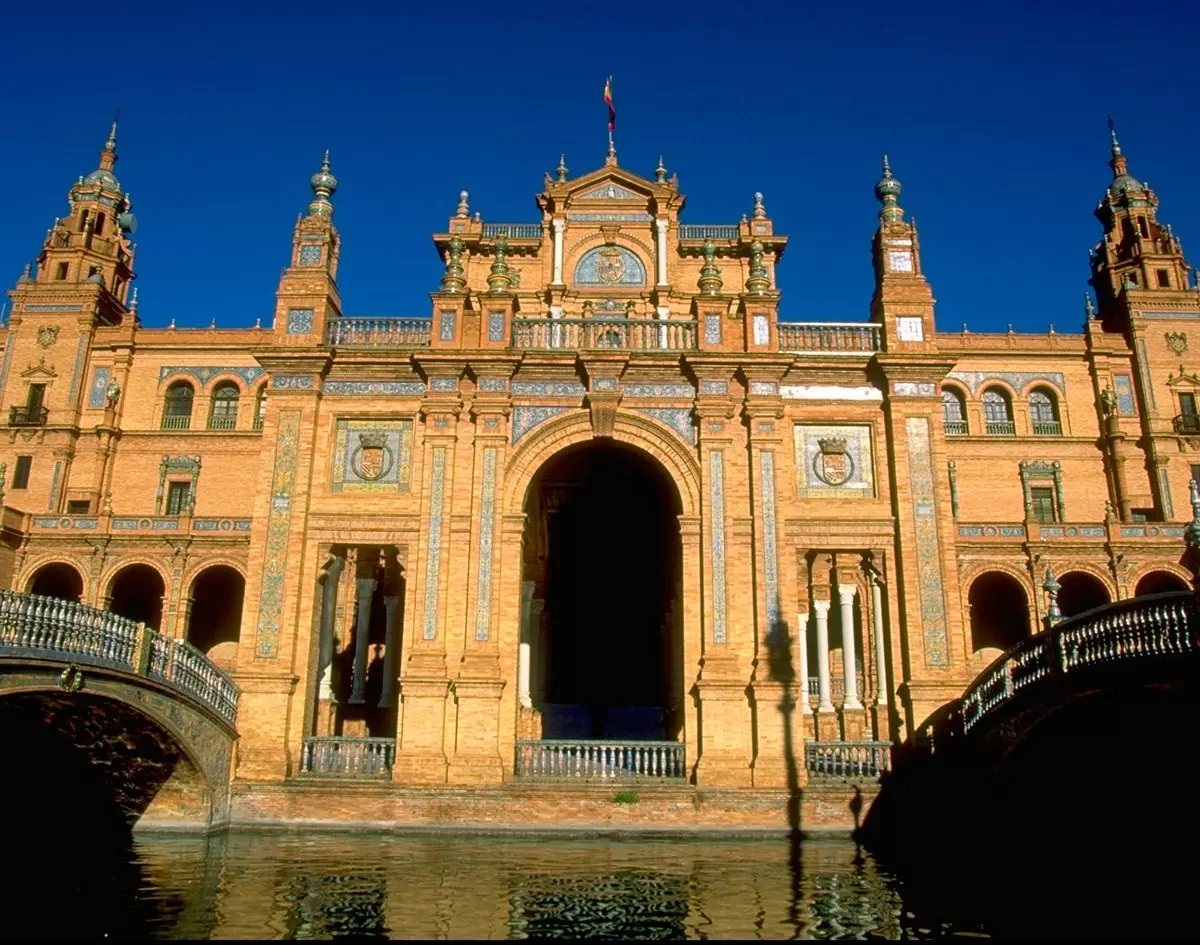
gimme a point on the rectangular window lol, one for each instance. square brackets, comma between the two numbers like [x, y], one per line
[37, 396]
[78, 507]
[21, 473]
[61, 271]
[1164, 278]
[1041, 499]
[1187, 405]
[1196, 474]
[178, 494]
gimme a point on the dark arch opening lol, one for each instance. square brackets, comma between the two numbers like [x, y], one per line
[999, 611]
[57, 580]
[1079, 591]
[1159, 582]
[216, 614]
[603, 552]
[137, 593]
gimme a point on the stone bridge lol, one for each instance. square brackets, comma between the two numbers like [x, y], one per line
[107, 723]
[1065, 766]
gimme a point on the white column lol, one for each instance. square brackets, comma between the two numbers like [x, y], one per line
[558, 250]
[846, 594]
[523, 647]
[881, 696]
[664, 312]
[821, 608]
[802, 642]
[662, 250]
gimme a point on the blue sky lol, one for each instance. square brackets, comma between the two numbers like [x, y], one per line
[994, 120]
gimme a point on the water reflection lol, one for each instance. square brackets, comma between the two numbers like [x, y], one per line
[300, 886]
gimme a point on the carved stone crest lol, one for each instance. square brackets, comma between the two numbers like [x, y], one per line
[1177, 341]
[833, 464]
[47, 335]
[372, 459]
[610, 269]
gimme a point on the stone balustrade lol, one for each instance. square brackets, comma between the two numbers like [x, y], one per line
[847, 759]
[513, 231]
[841, 338]
[708, 231]
[40, 627]
[352, 332]
[556, 759]
[638, 334]
[345, 757]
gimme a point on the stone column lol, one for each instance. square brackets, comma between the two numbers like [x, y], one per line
[881, 694]
[329, 586]
[523, 662]
[661, 226]
[366, 593]
[821, 609]
[802, 643]
[558, 225]
[391, 655]
[846, 594]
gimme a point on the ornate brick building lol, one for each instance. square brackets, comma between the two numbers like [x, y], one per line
[601, 492]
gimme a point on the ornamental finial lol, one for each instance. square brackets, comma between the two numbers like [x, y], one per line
[1112, 133]
[562, 168]
[759, 281]
[133, 301]
[324, 185]
[1088, 308]
[453, 280]
[887, 192]
[760, 211]
[710, 277]
[1052, 587]
[463, 210]
[499, 276]
[660, 172]
[25, 277]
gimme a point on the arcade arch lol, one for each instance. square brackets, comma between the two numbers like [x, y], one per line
[1159, 582]
[999, 611]
[137, 592]
[215, 617]
[1080, 591]
[57, 579]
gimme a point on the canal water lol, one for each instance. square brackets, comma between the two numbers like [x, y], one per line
[276, 885]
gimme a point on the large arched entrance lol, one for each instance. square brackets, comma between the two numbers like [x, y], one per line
[999, 611]
[137, 593]
[57, 580]
[1159, 582]
[1080, 591]
[215, 620]
[602, 568]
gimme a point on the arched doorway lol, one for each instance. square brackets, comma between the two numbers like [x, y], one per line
[1080, 591]
[1159, 582]
[602, 555]
[57, 580]
[215, 620]
[137, 593]
[999, 611]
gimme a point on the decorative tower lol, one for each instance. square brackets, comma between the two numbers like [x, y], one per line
[903, 301]
[307, 298]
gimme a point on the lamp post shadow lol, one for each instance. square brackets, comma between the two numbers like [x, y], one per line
[781, 669]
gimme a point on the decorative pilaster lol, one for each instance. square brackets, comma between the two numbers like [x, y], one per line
[824, 696]
[559, 225]
[661, 230]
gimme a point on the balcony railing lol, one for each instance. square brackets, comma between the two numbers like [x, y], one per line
[837, 686]
[335, 756]
[222, 423]
[708, 231]
[514, 231]
[1184, 423]
[955, 427]
[1047, 428]
[848, 759]
[561, 759]
[27, 416]
[638, 334]
[182, 422]
[1000, 428]
[35, 626]
[378, 332]
[828, 337]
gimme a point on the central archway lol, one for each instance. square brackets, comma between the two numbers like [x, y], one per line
[603, 558]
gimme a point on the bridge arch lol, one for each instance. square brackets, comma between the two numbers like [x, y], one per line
[57, 578]
[1081, 589]
[1159, 581]
[137, 590]
[1000, 610]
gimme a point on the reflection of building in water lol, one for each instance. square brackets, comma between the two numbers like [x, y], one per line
[600, 509]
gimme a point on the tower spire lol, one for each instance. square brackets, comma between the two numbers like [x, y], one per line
[887, 192]
[324, 185]
[108, 154]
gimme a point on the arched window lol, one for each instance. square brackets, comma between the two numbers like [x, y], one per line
[177, 413]
[997, 413]
[1043, 411]
[954, 414]
[260, 408]
[224, 407]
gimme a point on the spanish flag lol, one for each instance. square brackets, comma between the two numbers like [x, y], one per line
[612, 112]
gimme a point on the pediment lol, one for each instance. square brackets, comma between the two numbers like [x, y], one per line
[39, 369]
[612, 184]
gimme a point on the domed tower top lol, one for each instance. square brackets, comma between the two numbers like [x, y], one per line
[324, 185]
[1122, 182]
[887, 192]
[103, 176]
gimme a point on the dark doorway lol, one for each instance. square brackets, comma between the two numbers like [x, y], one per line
[57, 580]
[1080, 591]
[999, 611]
[605, 558]
[216, 614]
[137, 593]
[1159, 582]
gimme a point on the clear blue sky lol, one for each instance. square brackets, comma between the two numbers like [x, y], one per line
[994, 120]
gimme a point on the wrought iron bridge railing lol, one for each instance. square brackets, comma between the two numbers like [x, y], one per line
[346, 757]
[38, 627]
[841, 338]
[347, 332]
[602, 760]
[638, 334]
[1153, 626]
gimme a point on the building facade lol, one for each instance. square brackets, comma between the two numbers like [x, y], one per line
[601, 492]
